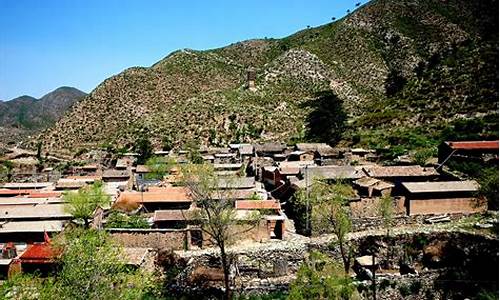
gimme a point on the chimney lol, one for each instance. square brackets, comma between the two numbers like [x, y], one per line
[251, 74]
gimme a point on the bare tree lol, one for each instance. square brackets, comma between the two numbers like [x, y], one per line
[216, 211]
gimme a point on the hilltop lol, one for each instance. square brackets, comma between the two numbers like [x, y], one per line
[27, 115]
[403, 70]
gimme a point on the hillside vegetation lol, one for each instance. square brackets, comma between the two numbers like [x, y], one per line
[27, 115]
[404, 72]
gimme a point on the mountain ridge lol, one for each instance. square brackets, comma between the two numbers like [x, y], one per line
[393, 64]
[27, 115]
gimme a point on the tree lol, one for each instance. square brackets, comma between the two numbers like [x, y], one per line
[216, 212]
[327, 120]
[422, 156]
[386, 211]
[82, 204]
[144, 148]
[91, 266]
[158, 167]
[193, 150]
[489, 187]
[319, 277]
[167, 143]
[329, 213]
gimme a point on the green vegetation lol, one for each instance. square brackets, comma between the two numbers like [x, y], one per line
[327, 120]
[319, 277]
[91, 266]
[83, 203]
[144, 148]
[118, 219]
[386, 211]
[158, 167]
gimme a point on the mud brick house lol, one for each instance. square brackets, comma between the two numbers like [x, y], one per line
[89, 169]
[272, 224]
[115, 175]
[299, 155]
[331, 173]
[227, 169]
[33, 212]
[155, 199]
[74, 183]
[269, 149]
[141, 171]
[28, 231]
[442, 197]
[235, 183]
[398, 174]
[480, 151]
[27, 186]
[174, 218]
[371, 187]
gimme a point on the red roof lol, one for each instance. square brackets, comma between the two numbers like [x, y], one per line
[39, 253]
[257, 204]
[470, 145]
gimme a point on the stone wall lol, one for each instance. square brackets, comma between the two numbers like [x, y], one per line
[175, 240]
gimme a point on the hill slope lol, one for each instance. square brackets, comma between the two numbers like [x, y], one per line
[399, 67]
[27, 115]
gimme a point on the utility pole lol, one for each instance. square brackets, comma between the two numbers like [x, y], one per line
[374, 282]
[307, 198]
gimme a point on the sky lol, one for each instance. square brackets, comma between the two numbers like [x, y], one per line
[79, 43]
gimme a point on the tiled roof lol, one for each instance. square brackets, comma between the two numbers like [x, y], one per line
[236, 183]
[333, 172]
[32, 226]
[173, 215]
[171, 194]
[41, 211]
[441, 186]
[257, 204]
[400, 171]
[39, 253]
[471, 145]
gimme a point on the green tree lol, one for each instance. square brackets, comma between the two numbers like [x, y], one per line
[489, 186]
[319, 277]
[83, 203]
[327, 120]
[91, 266]
[167, 143]
[118, 219]
[386, 211]
[329, 212]
[144, 148]
[421, 156]
[193, 150]
[158, 167]
[216, 212]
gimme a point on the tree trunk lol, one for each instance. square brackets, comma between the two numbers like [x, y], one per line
[345, 258]
[225, 268]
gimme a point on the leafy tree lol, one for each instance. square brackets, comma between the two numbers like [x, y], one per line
[121, 220]
[327, 120]
[489, 187]
[422, 156]
[167, 143]
[394, 83]
[144, 148]
[216, 212]
[386, 211]
[329, 213]
[158, 167]
[91, 267]
[83, 203]
[319, 277]
[193, 150]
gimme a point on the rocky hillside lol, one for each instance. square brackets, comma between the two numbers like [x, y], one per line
[27, 115]
[401, 68]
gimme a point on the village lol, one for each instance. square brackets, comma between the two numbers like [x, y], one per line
[254, 178]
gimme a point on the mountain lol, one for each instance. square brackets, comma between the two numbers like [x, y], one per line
[27, 115]
[403, 70]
